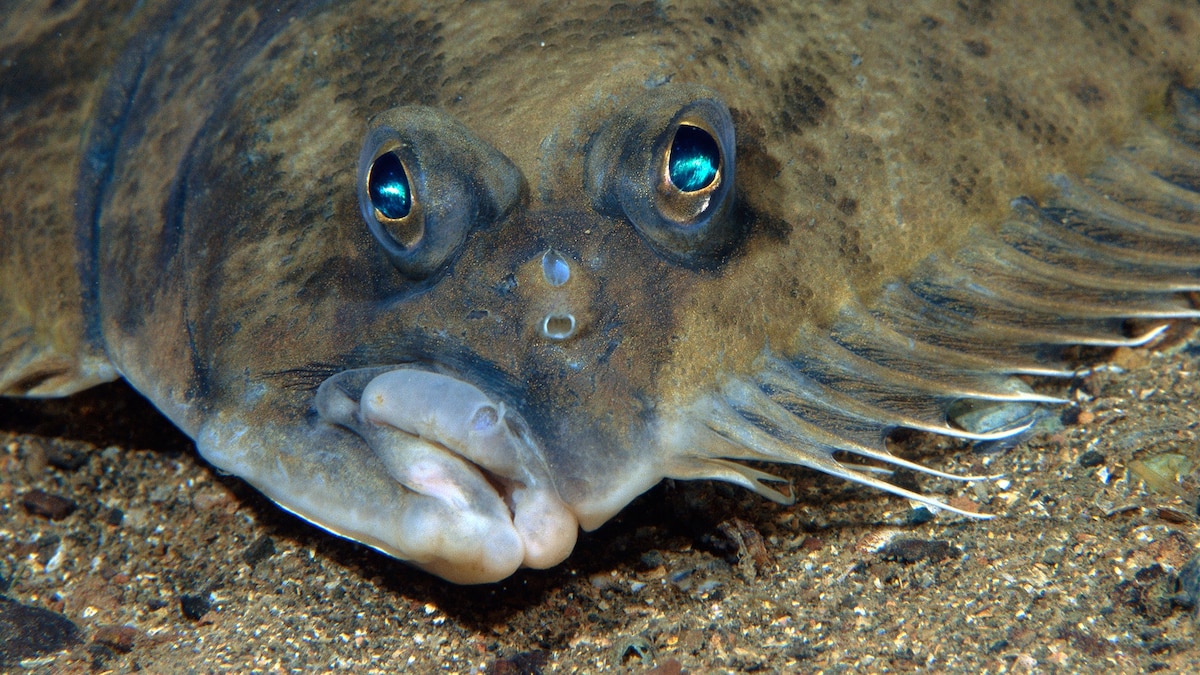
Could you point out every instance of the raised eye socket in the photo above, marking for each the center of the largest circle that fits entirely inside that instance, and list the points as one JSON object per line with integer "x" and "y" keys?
{"x": 665, "y": 162}
{"x": 694, "y": 160}
{"x": 424, "y": 182}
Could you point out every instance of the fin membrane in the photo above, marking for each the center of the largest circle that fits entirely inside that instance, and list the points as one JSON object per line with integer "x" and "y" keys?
{"x": 1121, "y": 243}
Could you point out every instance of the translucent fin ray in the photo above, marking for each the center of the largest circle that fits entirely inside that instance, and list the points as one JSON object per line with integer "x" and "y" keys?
{"x": 1120, "y": 244}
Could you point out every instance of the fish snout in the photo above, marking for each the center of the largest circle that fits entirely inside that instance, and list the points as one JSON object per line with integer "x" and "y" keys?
{"x": 474, "y": 471}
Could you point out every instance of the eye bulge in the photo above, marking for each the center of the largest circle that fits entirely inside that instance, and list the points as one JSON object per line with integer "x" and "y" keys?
{"x": 665, "y": 162}
{"x": 424, "y": 181}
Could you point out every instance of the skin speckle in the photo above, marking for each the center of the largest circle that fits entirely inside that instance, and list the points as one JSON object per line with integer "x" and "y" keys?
{"x": 804, "y": 98}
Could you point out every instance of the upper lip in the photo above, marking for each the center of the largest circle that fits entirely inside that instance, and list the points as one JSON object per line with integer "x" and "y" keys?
{"x": 443, "y": 438}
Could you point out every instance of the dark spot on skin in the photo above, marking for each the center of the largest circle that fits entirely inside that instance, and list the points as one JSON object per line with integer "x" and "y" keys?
{"x": 909, "y": 480}
{"x": 1088, "y": 94}
{"x": 850, "y": 243}
{"x": 506, "y": 286}
{"x": 977, "y": 48}
{"x": 964, "y": 180}
{"x": 930, "y": 22}
{"x": 804, "y": 99}
{"x": 377, "y": 84}
{"x": 978, "y": 12}
{"x": 31, "y": 75}
{"x": 737, "y": 16}
{"x": 1024, "y": 118}
{"x": 938, "y": 69}
{"x": 756, "y": 167}
{"x": 755, "y": 164}
{"x": 761, "y": 223}
{"x": 847, "y": 205}
{"x": 1112, "y": 21}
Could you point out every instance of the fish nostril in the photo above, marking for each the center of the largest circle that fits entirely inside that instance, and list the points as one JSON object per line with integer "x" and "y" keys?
{"x": 558, "y": 326}
{"x": 485, "y": 418}
{"x": 555, "y": 268}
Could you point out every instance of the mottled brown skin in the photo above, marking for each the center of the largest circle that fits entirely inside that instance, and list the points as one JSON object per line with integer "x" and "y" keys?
{"x": 233, "y": 271}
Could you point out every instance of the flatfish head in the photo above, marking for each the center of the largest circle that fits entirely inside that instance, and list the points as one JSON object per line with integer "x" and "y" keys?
{"x": 456, "y": 280}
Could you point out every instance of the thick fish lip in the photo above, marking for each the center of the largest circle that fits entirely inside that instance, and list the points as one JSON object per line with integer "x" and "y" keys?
{"x": 476, "y": 474}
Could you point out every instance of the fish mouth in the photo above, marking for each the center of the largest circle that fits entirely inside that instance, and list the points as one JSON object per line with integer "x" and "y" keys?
{"x": 484, "y": 503}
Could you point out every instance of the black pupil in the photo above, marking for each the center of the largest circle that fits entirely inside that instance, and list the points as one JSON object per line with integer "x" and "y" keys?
{"x": 694, "y": 160}
{"x": 388, "y": 187}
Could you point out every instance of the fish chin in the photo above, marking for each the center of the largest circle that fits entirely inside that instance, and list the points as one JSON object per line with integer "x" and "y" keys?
{"x": 489, "y": 504}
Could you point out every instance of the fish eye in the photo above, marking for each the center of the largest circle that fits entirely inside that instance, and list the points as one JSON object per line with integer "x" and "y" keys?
{"x": 694, "y": 159}
{"x": 691, "y": 175}
{"x": 666, "y": 163}
{"x": 388, "y": 197}
{"x": 425, "y": 182}
{"x": 389, "y": 187}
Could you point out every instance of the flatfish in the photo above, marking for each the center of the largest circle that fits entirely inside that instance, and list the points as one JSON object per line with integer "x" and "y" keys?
{"x": 457, "y": 279}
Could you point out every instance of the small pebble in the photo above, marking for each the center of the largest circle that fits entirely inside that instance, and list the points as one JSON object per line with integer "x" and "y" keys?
{"x": 194, "y": 606}
{"x": 29, "y": 632}
{"x": 1189, "y": 583}
{"x": 653, "y": 559}
{"x": 920, "y": 515}
{"x": 669, "y": 667}
{"x": 751, "y": 549}
{"x": 117, "y": 638}
{"x": 603, "y": 581}
{"x": 114, "y": 517}
{"x": 42, "y": 503}
{"x": 909, "y": 551}
{"x": 679, "y": 575}
{"x": 1053, "y": 555}
{"x": 260, "y": 550}
{"x": 1172, "y": 516}
{"x": 1091, "y": 458}
{"x": 525, "y": 663}
{"x": 66, "y": 459}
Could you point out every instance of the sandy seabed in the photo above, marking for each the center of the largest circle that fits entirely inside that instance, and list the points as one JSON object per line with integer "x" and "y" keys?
{"x": 162, "y": 564}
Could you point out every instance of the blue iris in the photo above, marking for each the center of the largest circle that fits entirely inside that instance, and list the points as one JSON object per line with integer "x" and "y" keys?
{"x": 694, "y": 159}
{"x": 388, "y": 187}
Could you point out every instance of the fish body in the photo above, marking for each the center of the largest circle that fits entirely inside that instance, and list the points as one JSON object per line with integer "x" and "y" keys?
{"x": 456, "y": 279}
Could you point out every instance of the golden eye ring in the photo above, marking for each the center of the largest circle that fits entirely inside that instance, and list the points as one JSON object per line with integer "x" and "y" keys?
{"x": 393, "y": 198}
